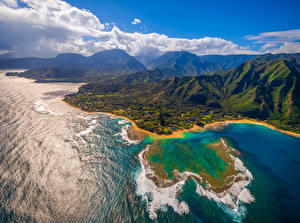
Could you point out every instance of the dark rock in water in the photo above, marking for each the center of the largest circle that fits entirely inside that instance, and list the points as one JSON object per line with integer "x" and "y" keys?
{"x": 134, "y": 134}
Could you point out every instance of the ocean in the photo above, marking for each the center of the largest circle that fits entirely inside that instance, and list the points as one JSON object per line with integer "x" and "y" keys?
{"x": 59, "y": 164}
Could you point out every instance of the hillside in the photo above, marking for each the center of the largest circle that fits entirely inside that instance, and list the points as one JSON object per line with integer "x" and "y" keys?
{"x": 227, "y": 61}
{"x": 263, "y": 89}
{"x": 75, "y": 66}
{"x": 183, "y": 62}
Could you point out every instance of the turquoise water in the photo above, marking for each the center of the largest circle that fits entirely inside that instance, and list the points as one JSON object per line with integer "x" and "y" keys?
{"x": 271, "y": 157}
{"x": 190, "y": 153}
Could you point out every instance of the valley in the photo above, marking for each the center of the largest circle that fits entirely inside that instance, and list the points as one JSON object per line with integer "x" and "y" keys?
{"x": 264, "y": 89}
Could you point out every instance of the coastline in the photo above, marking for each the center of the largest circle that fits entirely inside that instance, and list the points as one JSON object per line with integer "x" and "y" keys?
{"x": 176, "y": 134}
{"x": 249, "y": 121}
{"x": 179, "y": 133}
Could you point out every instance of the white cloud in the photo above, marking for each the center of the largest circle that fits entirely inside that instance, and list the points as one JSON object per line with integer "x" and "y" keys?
{"x": 286, "y": 47}
{"x": 267, "y": 46}
{"x": 46, "y": 28}
{"x": 278, "y": 42}
{"x": 136, "y": 21}
{"x": 277, "y": 37}
{"x": 11, "y": 3}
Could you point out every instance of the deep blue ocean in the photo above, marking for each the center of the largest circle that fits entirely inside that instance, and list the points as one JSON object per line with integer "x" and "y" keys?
{"x": 272, "y": 157}
{"x": 65, "y": 165}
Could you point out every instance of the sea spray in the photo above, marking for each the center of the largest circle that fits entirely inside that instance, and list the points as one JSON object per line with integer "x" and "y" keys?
{"x": 231, "y": 200}
{"x": 125, "y": 125}
{"x": 40, "y": 108}
{"x": 155, "y": 197}
{"x": 91, "y": 126}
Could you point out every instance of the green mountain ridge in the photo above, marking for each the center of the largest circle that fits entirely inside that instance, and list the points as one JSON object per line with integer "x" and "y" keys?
{"x": 75, "y": 67}
{"x": 228, "y": 61}
{"x": 184, "y": 62}
{"x": 257, "y": 89}
{"x": 262, "y": 88}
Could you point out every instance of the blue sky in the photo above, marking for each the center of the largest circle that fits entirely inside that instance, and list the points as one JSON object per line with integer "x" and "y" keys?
{"x": 231, "y": 19}
{"x": 47, "y": 28}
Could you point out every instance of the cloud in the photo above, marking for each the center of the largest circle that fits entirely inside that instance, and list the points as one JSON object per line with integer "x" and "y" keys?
{"x": 278, "y": 42}
{"x": 286, "y": 47}
{"x": 136, "y": 21}
{"x": 46, "y": 28}
{"x": 23, "y": 29}
{"x": 11, "y": 3}
{"x": 267, "y": 46}
{"x": 277, "y": 37}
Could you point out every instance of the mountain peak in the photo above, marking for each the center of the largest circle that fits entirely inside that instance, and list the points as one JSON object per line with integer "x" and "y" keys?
{"x": 112, "y": 52}
{"x": 184, "y": 62}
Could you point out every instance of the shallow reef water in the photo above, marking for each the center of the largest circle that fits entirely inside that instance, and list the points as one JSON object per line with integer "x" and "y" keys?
{"x": 59, "y": 164}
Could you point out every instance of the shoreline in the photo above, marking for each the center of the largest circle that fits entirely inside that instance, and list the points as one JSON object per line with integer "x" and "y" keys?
{"x": 179, "y": 133}
{"x": 176, "y": 134}
{"x": 249, "y": 121}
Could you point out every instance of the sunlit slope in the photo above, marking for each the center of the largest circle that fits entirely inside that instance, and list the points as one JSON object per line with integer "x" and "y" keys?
{"x": 264, "y": 88}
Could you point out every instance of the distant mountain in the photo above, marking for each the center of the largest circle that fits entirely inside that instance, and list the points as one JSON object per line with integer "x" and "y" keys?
{"x": 274, "y": 57}
{"x": 75, "y": 67}
{"x": 265, "y": 88}
{"x": 147, "y": 76}
{"x": 227, "y": 61}
{"x": 145, "y": 59}
{"x": 67, "y": 61}
{"x": 184, "y": 62}
{"x": 112, "y": 62}
{"x": 61, "y": 75}
{"x": 191, "y": 64}
{"x": 115, "y": 62}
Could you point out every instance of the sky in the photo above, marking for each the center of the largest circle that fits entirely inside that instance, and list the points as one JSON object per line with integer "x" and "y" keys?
{"x": 46, "y": 28}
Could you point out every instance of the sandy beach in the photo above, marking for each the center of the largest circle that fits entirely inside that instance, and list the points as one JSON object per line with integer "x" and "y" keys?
{"x": 252, "y": 122}
{"x": 178, "y": 134}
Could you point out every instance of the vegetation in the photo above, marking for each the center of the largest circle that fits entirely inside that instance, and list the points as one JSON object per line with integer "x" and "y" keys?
{"x": 165, "y": 100}
{"x": 184, "y": 62}
{"x": 155, "y": 107}
{"x": 161, "y": 118}
{"x": 263, "y": 89}
{"x": 72, "y": 67}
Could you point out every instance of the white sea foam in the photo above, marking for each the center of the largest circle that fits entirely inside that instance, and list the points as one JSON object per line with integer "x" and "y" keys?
{"x": 92, "y": 126}
{"x": 123, "y": 121}
{"x": 155, "y": 197}
{"x": 124, "y": 133}
{"x": 39, "y": 107}
{"x": 231, "y": 200}
{"x": 89, "y": 117}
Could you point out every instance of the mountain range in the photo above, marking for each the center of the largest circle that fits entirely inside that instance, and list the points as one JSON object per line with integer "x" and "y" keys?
{"x": 110, "y": 62}
{"x": 265, "y": 88}
{"x": 116, "y": 62}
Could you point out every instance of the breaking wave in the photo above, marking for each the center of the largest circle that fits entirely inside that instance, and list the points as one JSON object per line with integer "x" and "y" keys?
{"x": 125, "y": 125}
{"x": 91, "y": 126}
{"x": 231, "y": 201}
{"x": 40, "y": 107}
{"x": 158, "y": 198}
